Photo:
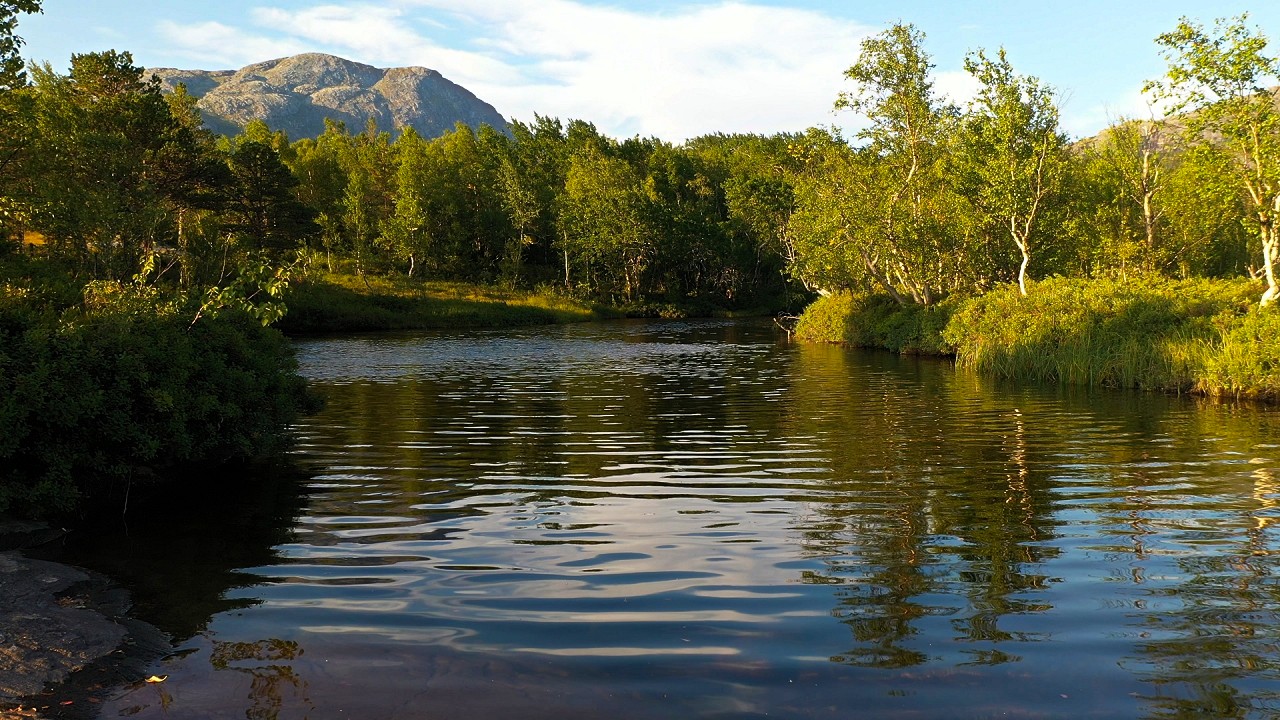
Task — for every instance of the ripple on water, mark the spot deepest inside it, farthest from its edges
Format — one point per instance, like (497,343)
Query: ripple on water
(696,520)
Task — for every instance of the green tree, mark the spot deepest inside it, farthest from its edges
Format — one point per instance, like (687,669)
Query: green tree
(540,154)
(1223,84)
(322,182)
(408,233)
(1012,153)
(12,68)
(606,224)
(520,200)
(897,200)
(96,171)
(265,210)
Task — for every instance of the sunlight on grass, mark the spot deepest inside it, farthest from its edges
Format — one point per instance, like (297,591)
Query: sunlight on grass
(339,302)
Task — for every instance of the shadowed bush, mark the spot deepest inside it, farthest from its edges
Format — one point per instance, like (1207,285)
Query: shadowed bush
(876,321)
(124,390)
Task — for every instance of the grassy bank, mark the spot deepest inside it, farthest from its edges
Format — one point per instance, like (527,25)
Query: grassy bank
(336,302)
(1202,336)
(876,321)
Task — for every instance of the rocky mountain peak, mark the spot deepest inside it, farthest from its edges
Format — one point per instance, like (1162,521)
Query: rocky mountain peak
(297,93)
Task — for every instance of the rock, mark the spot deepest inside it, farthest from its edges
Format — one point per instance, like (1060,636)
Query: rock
(18,534)
(49,629)
(56,620)
(296,94)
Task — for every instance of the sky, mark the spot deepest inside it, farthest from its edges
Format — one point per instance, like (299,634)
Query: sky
(673,69)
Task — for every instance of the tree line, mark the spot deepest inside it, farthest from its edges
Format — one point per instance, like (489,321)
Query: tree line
(934,200)
(112,175)
(931,200)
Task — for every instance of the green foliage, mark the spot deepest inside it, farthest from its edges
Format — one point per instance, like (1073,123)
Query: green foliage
(1245,361)
(887,205)
(1224,84)
(255,289)
(124,390)
(1140,333)
(261,201)
(11,66)
(1010,156)
(876,321)
(1201,336)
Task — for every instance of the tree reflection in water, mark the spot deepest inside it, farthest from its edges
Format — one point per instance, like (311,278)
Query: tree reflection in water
(695,528)
(273,681)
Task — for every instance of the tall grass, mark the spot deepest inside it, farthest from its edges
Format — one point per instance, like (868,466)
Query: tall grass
(1244,362)
(1153,334)
(875,321)
(1201,336)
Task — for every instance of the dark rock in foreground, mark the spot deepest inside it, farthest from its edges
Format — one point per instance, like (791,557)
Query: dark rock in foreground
(46,634)
(296,94)
(56,620)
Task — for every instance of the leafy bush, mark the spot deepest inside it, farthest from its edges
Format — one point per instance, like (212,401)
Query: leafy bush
(1202,336)
(125,390)
(1245,362)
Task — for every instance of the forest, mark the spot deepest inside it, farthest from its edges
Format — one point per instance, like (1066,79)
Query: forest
(1143,256)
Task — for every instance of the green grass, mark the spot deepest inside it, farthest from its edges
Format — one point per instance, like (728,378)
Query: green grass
(875,321)
(1156,334)
(347,303)
(1201,336)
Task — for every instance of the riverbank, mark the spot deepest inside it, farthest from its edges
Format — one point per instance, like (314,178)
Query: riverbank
(338,302)
(1206,337)
(344,302)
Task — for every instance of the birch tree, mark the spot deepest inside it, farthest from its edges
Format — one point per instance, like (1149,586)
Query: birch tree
(1014,153)
(897,231)
(1221,83)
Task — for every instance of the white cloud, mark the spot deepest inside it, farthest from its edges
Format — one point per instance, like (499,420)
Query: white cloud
(725,67)
(957,86)
(379,36)
(224,46)
(706,68)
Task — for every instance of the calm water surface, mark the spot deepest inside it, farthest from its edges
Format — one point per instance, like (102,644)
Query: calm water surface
(699,520)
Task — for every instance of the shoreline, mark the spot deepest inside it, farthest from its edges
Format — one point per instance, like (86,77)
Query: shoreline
(1199,337)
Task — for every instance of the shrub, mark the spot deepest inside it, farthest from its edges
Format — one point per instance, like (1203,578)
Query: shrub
(125,391)
(1245,361)
(1150,333)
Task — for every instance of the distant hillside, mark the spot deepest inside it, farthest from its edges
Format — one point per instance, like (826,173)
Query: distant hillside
(296,94)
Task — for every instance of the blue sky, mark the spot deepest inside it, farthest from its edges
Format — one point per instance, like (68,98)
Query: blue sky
(668,68)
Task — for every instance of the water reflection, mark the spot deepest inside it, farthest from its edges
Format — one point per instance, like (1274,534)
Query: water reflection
(699,520)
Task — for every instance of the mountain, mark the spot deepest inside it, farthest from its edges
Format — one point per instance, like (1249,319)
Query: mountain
(296,94)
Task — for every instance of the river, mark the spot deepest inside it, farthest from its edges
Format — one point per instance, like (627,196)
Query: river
(701,520)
